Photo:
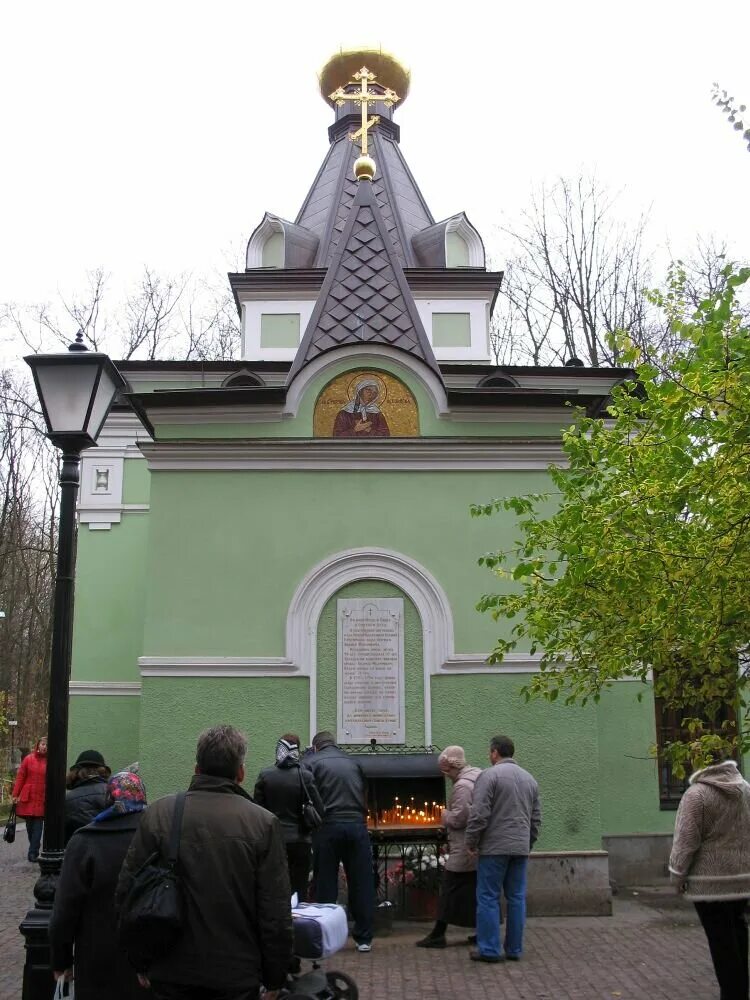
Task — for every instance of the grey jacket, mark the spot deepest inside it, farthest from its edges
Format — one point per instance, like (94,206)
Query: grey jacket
(455,817)
(505,813)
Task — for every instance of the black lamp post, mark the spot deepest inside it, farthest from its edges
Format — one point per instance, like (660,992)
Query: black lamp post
(76,390)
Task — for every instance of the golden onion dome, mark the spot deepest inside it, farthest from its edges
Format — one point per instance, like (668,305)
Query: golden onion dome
(342,66)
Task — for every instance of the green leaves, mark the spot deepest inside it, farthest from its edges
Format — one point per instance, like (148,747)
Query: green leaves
(640,559)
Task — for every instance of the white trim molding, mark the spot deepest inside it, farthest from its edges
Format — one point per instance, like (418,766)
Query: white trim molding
(413,454)
(218,666)
(303,616)
(365,355)
(120,688)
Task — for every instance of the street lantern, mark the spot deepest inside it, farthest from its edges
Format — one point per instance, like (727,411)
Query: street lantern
(76,390)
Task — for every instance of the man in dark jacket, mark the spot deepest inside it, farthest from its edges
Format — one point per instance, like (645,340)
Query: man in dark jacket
(87,790)
(283,789)
(237,922)
(343,837)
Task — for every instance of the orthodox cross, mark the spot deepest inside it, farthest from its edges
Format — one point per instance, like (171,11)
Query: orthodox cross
(364,98)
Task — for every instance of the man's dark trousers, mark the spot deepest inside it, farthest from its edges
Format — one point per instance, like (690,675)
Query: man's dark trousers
(348,843)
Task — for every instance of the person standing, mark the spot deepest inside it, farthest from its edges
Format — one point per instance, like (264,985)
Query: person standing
(458,891)
(87,791)
(503,825)
(284,789)
(82,930)
(710,863)
(343,837)
(237,920)
(29,792)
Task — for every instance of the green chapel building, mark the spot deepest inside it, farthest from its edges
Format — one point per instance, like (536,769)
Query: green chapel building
(283,542)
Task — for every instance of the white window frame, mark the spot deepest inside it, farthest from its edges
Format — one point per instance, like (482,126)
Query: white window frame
(251,314)
(478,311)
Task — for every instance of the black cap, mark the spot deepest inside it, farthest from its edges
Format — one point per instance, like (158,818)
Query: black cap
(92,758)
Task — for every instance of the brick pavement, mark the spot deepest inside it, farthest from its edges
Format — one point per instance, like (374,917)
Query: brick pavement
(652,949)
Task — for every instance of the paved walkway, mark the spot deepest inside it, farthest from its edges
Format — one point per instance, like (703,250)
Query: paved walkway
(652,949)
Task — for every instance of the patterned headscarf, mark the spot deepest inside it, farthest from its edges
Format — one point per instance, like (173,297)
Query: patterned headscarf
(126,793)
(287,754)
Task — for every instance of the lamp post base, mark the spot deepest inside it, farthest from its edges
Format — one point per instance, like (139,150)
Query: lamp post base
(38,981)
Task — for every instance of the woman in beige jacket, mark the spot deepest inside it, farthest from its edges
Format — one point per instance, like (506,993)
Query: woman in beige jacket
(459,888)
(710,863)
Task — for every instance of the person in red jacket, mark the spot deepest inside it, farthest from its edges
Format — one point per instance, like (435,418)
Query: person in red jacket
(28,794)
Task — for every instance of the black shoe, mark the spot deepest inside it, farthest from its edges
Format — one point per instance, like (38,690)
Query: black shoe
(513,958)
(431,942)
(476,956)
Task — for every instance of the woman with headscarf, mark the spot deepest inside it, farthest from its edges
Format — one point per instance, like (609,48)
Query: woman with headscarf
(710,863)
(361,417)
(87,790)
(83,928)
(28,794)
(280,790)
(459,888)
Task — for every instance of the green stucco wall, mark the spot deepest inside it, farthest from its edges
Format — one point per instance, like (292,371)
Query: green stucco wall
(413,659)
(175,710)
(228,549)
(107,723)
(558,744)
(110,600)
(628,777)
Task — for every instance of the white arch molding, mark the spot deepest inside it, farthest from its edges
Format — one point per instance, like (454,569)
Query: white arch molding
(311,596)
(329,576)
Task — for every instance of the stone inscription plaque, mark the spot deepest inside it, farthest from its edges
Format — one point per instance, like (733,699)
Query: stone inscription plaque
(371,670)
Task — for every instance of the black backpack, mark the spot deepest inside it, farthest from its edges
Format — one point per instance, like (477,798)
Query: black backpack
(152,912)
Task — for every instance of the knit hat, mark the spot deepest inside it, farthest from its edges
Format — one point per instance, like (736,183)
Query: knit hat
(454,756)
(90,758)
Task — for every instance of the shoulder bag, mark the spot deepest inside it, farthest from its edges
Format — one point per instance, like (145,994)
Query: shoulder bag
(9,834)
(311,818)
(152,913)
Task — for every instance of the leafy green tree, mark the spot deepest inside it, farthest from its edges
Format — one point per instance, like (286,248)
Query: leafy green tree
(637,565)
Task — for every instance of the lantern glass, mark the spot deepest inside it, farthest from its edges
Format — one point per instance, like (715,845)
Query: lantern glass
(76,391)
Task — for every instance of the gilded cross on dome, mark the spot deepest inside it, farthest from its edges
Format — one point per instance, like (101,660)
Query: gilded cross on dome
(364,168)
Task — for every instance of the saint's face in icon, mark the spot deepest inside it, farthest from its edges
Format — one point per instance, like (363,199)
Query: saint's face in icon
(361,417)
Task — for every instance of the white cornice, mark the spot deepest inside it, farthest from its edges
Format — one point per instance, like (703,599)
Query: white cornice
(218,666)
(427,454)
(132,688)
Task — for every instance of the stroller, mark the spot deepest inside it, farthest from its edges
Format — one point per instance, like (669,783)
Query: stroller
(320,930)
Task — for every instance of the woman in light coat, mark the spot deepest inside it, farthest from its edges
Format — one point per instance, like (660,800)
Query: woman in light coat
(459,889)
(710,863)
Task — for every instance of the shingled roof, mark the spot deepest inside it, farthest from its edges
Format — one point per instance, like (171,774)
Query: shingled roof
(326,208)
(365,298)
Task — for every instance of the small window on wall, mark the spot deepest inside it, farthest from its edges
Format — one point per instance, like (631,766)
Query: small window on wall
(451,329)
(279,330)
(669,727)
(456,250)
(273,250)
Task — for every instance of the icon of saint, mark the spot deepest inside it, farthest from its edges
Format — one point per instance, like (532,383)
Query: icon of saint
(361,417)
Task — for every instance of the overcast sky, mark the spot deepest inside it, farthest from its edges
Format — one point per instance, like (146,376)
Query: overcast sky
(160,132)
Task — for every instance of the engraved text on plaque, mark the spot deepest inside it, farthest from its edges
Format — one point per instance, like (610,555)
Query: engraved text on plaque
(371,670)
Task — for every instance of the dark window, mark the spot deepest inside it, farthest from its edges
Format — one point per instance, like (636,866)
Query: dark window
(669,727)
(242,380)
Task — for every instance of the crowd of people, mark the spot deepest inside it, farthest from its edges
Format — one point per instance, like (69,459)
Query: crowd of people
(241,857)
